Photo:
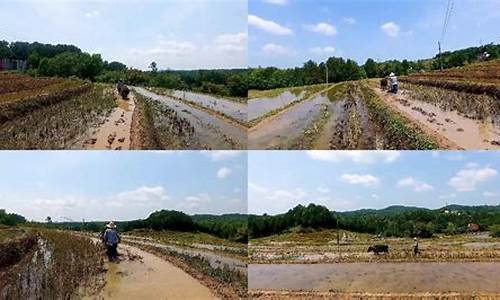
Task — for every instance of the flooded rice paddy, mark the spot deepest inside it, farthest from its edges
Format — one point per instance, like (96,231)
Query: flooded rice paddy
(210,131)
(259,107)
(233,109)
(286,130)
(377,277)
(216,260)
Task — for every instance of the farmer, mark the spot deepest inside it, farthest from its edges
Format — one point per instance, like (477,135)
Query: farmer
(394,83)
(416,251)
(111,238)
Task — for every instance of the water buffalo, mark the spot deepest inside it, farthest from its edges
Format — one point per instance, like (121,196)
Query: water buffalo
(377,249)
(472,228)
(383,84)
(123,90)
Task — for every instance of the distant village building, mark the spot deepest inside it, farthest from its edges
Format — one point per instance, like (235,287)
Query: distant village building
(7,64)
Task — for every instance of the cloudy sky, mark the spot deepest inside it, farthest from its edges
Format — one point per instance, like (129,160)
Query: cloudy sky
(287,33)
(121,185)
(350,180)
(177,34)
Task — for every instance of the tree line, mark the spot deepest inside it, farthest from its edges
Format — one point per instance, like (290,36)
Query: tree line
(70,61)
(10,219)
(232,227)
(398,221)
(340,69)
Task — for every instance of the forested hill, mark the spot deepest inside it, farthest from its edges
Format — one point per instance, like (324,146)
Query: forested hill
(391,221)
(71,61)
(230,226)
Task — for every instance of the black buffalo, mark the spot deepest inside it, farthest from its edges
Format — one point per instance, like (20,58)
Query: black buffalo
(377,249)
(123,90)
(384,83)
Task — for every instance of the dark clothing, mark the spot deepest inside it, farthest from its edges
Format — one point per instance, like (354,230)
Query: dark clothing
(111,238)
(112,252)
(394,89)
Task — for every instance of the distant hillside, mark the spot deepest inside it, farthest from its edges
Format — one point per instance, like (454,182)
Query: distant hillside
(390,221)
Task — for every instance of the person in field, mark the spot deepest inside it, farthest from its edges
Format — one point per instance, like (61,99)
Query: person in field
(394,83)
(111,238)
(416,251)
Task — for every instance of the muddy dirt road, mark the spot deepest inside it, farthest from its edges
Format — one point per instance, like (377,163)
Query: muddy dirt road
(449,127)
(141,275)
(210,130)
(114,132)
(378,277)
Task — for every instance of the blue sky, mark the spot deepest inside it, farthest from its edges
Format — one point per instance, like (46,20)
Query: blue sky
(350,180)
(177,34)
(287,33)
(121,185)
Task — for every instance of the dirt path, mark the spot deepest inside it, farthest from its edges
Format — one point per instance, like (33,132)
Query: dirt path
(141,275)
(451,130)
(210,130)
(114,133)
(378,277)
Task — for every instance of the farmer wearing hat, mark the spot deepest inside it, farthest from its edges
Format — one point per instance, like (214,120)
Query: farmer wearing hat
(394,83)
(111,239)
(416,251)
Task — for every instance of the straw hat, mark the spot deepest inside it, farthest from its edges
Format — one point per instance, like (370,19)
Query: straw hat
(392,74)
(111,225)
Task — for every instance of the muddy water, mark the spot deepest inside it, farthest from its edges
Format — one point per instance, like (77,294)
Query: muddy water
(215,260)
(140,275)
(464,132)
(210,131)
(283,130)
(377,277)
(114,132)
(230,108)
(258,107)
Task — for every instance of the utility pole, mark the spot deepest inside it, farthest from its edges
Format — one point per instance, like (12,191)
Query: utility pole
(440,60)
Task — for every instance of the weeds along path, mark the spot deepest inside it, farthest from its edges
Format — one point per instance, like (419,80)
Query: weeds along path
(141,275)
(451,129)
(114,131)
(391,278)
(287,128)
(207,130)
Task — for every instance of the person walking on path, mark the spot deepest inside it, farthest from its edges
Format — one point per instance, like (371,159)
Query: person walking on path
(394,83)
(111,239)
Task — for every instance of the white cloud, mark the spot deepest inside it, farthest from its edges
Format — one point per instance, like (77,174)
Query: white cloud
(320,51)
(143,194)
(220,155)
(375,196)
(268,26)
(448,196)
(350,21)
(275,49)
(323,28)
(491,194)
(418,186)
(391,29)
(92,14)
(223,173)
(323,190)
(467,179)
(232,42)
(366,180)
(357,156)
(194,202)
(277,2)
